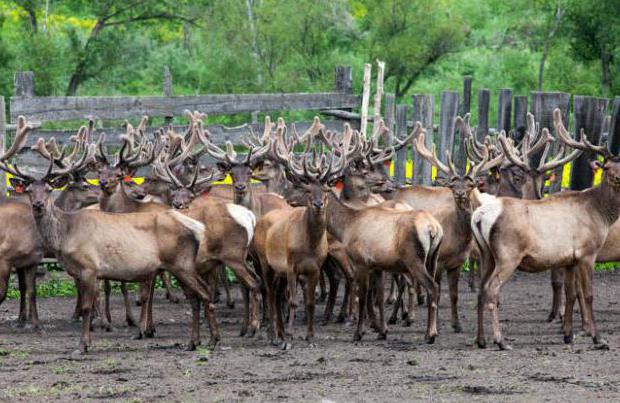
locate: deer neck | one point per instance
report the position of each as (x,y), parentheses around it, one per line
(52,225)
(338,216)
(245,199)
(606,201)
(117,202)
(316,224)
(277,184)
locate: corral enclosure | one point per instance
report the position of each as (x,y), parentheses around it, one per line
(599,118)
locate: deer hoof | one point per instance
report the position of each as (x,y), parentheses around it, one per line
(149,333)
(503,346)
(421,299)
(357,336)
(285,346)
(481,343)
(600,342)
(138,336)
(430,339)
(408,323)
(131,322)
(382,335)
(391,320)
(551,317)
(191,346)
(568,339)
(230,304)
(173,298)
(457,328)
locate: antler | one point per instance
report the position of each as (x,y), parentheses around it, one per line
(430,156)
(583,144)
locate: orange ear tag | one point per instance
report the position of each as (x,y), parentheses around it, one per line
(205,194)
(552,178)
(127,179)
(339,185)
(19,188)
(387,163)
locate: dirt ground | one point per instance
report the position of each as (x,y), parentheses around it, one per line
(39,366)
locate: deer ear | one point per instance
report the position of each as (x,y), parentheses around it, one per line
(58,182)
(223,167)
(17,183)
(596,165)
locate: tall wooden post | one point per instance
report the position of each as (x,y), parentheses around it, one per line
(401,157)
(613,138)
(484,97)
(543,105)
(390,101)
(520,116)
(343,79)
(504,110)
(590,115)
(447,117)
(2,143)
(423,113)
(24,84)
(466,107)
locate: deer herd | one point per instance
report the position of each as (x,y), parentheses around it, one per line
(303,208)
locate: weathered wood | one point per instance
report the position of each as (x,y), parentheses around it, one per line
(24,84)
(614,128)
(365,99)
(519,117)
(589,114)
(2,144)
(167,82)
(43,109)
(423,113)
(466,106)
(379,93)
(343,81)
(504,110)
(449,110)
(543,105)
(400,167)
(482,129)
(254,117)
(390,102)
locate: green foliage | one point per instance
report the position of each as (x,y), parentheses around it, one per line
(219,46)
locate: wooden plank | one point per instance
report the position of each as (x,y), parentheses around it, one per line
(482,129)
(466,107)
(41,109)
(543,105)
(504,110)
(2,144)
(589,114)
(519,117)
(24,84)
(343,81)
(390,102)
(378,93)
(423,113)
(401,157)
(449,109)
(613,142)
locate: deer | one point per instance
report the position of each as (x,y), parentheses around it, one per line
(92,244)
(291,243)
(526,235)
(229,231)
(455,220)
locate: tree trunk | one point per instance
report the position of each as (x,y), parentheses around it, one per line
(548,35)
(605,72)
(79,73)
(259,76)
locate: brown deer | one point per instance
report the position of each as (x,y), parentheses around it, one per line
(93,245)
(531,235)
(293,242)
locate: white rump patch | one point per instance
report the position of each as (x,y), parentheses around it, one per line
(244,217)
(197,228)
(486,215)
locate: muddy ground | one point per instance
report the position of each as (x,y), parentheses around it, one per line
(39,366)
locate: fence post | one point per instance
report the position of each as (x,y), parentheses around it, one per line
(520,115)
(2,144)
(167,82)
(504,110)
(543,105)
(401,156)
(466,107)
(613,138)
(482,129)
(423,113)
(590,115)
(24,84)
(390,100)
(449,109)
(343,80)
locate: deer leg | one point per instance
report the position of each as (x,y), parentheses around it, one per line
(107,289)
(453,287)
(170,296)
(195,324)
(586,320)
(471,275)
(312,277)
(322,287)
(88,283)
(31,293)
(499,277)
(291,288)
(408,319)
(23,301)
(127,300)
(249,279)
(399,285)
(569,289)
(557,282)
(393,294)
(380,300)
(418,292)
(78,307)
(425,279)
(486,270)
(196,286)
(362,290)
(585,270)
(330,271)
(144,329)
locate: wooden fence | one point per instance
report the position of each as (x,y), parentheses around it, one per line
(597,116)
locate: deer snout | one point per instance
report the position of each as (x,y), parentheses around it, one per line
(38,205)
(241,187)
(318,204)
(177,204)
